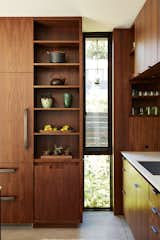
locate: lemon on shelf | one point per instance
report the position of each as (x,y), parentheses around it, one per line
(65,128)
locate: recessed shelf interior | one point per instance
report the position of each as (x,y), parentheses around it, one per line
(57,95)
(57,34)
(42,143)
(56,119)
(44,76)
(56,30)
(41,53)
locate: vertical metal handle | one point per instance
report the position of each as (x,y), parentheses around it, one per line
(154,229)
(26,128)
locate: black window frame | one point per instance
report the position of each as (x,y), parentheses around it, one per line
(99,150)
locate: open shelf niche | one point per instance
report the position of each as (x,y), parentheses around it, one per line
(64,35)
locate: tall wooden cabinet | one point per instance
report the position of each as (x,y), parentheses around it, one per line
(16,123)
(53,186)
(58,181)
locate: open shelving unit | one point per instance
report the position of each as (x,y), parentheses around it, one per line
(60,34)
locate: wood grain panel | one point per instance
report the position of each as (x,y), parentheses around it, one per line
(19,210)
(15,95)
(122,45)
(16,45)
(144,134)
(59,204)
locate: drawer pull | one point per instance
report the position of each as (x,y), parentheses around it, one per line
(155,191)
(7,198)
(136,185)
(7,170)
(154,210)
(26,128)
(154,229)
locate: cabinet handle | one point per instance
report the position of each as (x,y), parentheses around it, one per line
(136,185)
(154,210)
(154,229)
(7,170)
(26,128)
(7,198)
(155,191)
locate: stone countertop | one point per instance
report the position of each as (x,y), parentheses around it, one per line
(135,157)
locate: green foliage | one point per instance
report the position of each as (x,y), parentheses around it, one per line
(97,181)
(99,51)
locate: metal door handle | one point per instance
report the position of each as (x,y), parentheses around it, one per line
(26,128)
(7,170)
(7,198)
(154,229)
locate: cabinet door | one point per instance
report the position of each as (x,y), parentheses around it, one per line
(139,40)
(146,36)
(17,194)
(142,208)
(129,201)
(15,97)
(150,33)
(16,45)
(57,193)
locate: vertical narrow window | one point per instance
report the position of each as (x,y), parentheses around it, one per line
(97,93)
(97,124)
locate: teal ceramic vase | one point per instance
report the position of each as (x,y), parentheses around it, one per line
(67,98)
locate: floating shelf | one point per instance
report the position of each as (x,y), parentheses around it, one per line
(51,43)
(57,134)
(56,109)
(144,97)
(144,116)
(38,160)
(56,86)
(51,65)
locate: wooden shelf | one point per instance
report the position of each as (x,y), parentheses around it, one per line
(56,109)
(144,116)
(56,86)
(38,160)
(152,72)
(144,97)
(51,65)
(53,43)
(57,134)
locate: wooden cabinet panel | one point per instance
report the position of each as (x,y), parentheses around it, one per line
(17,203)
(146,36)
(57,193)
(16,45)
(139,40)
(135,201)
(142,135)
(15,96)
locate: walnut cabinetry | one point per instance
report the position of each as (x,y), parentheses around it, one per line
(16,102)
(25,77)
(147,42)
(57,193)
(58,181)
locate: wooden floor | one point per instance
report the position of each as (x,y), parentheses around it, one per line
(96,226)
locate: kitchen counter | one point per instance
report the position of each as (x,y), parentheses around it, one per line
(135,157)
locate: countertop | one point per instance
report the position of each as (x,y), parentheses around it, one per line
(135,157)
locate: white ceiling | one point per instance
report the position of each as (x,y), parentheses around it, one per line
(98,15)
